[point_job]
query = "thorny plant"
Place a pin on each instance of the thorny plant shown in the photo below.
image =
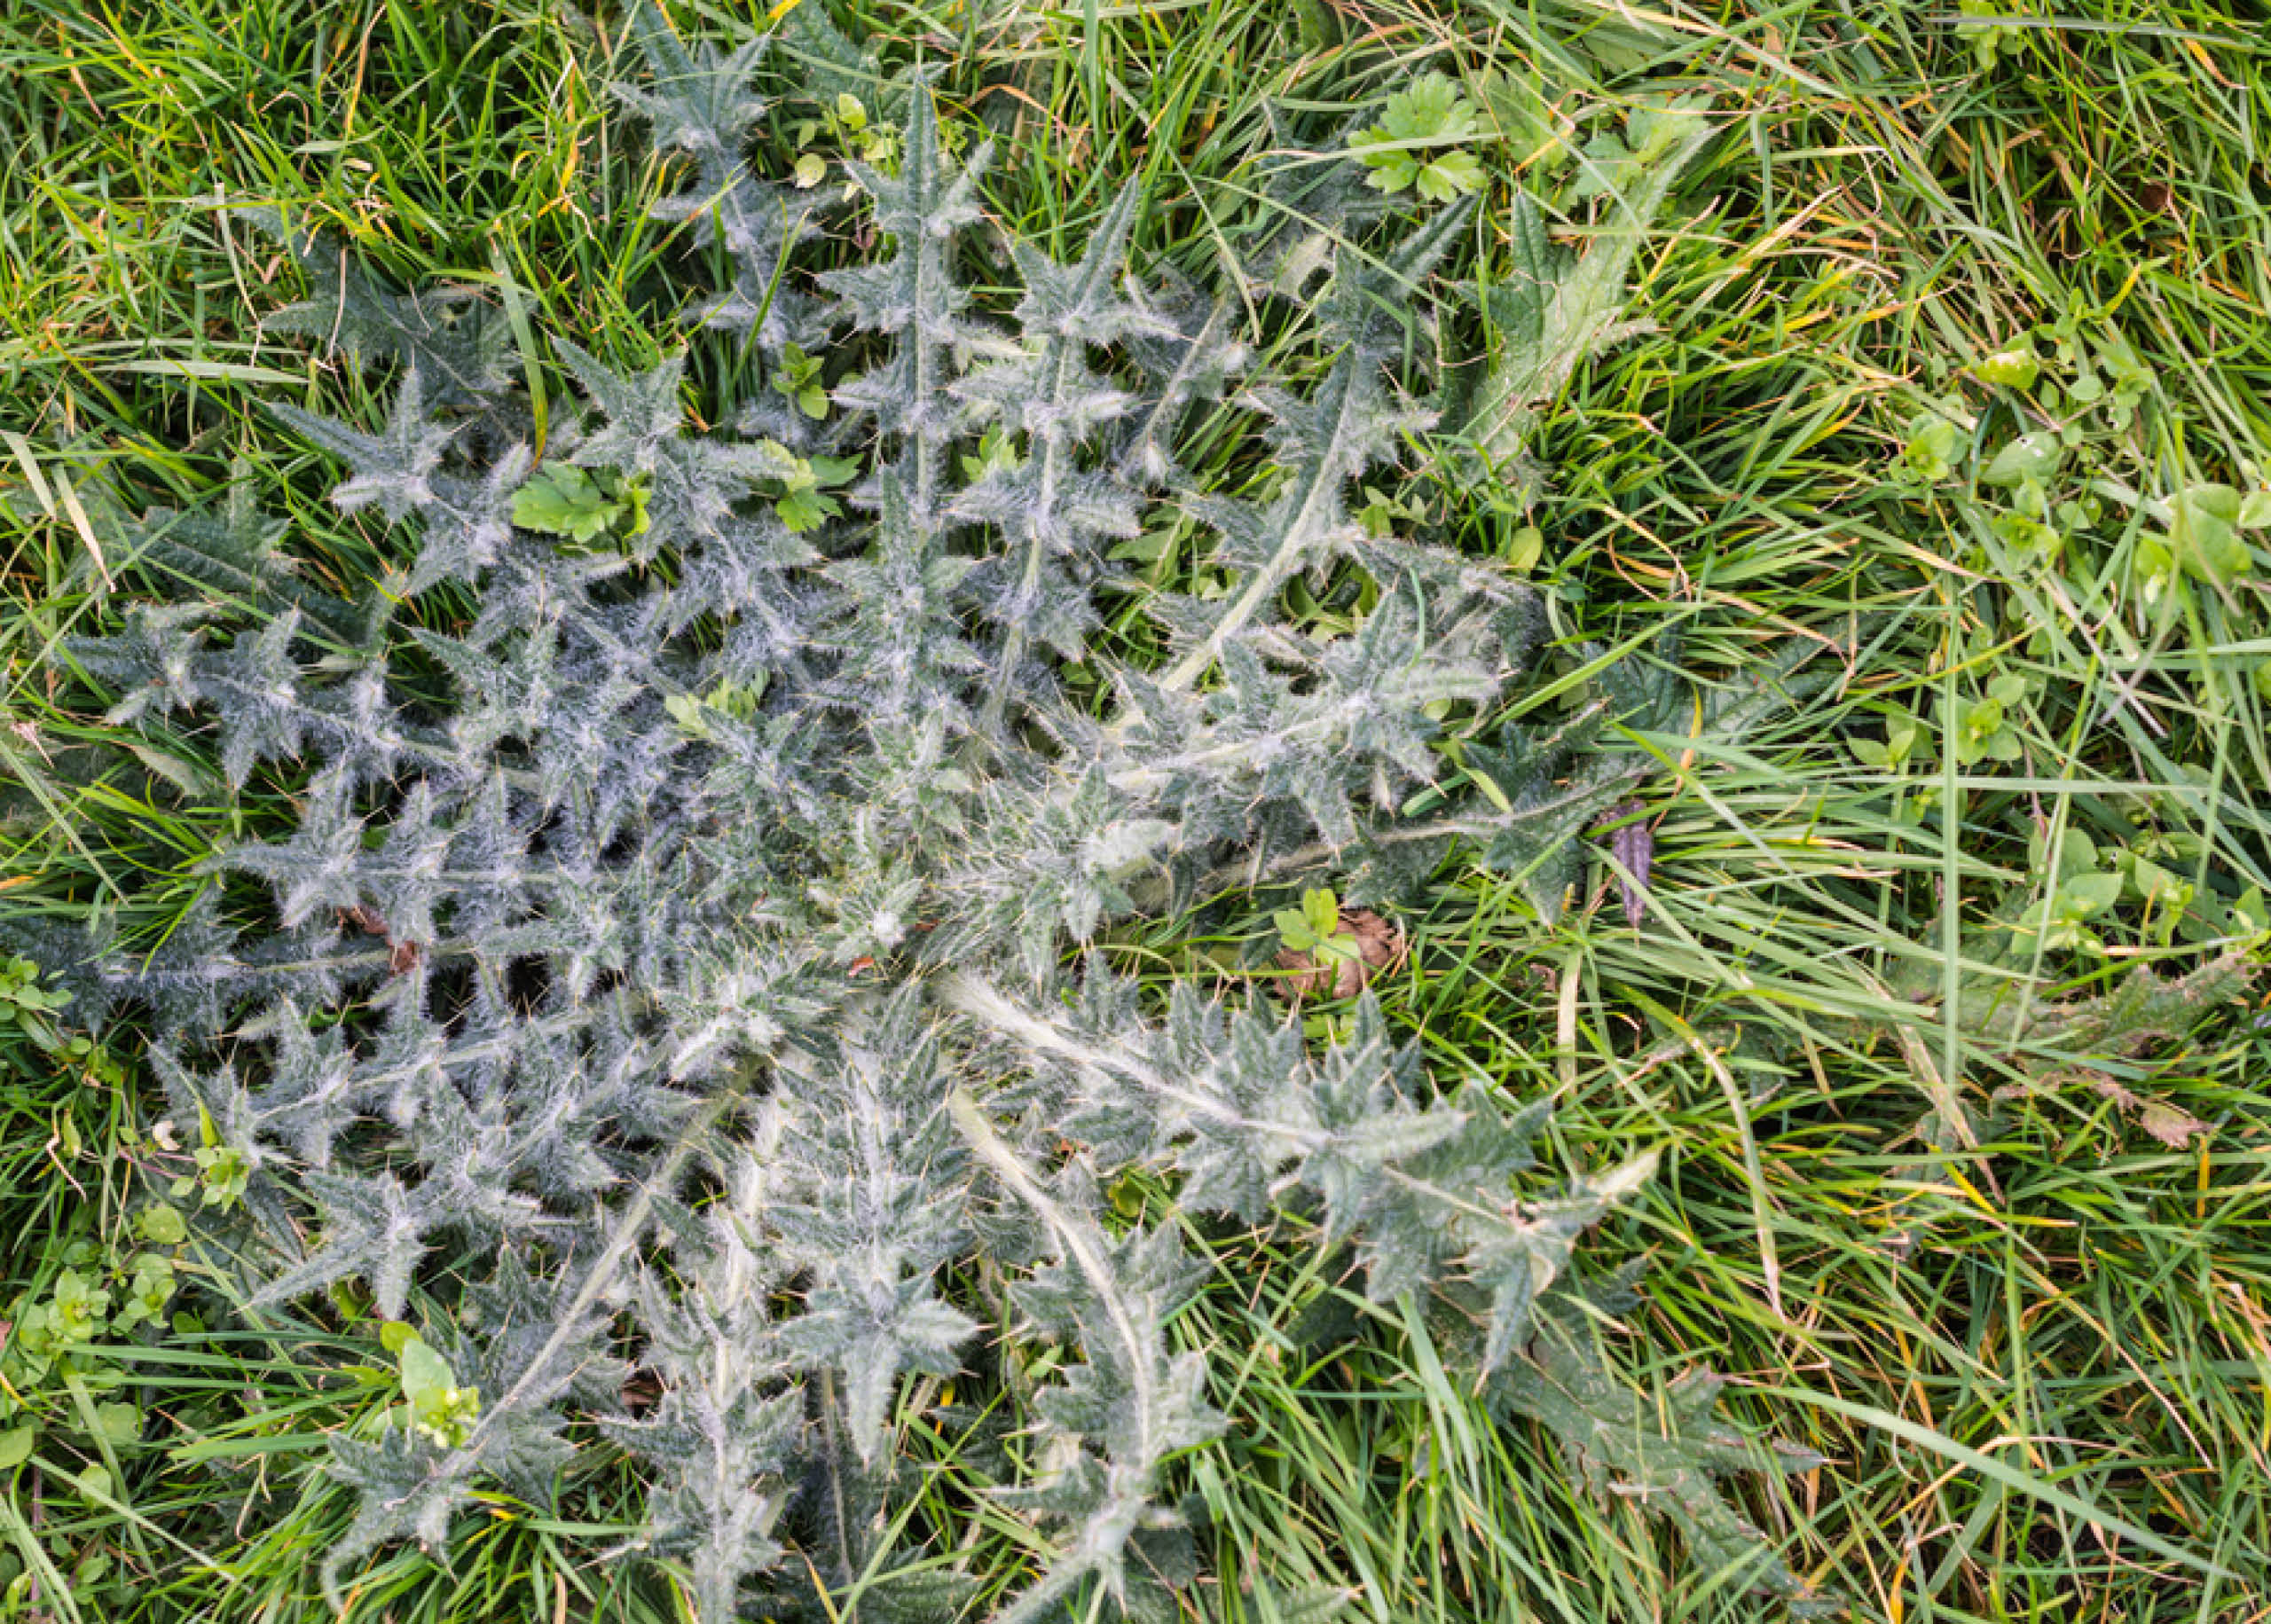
(678, 948)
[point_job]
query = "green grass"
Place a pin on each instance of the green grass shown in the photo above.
(2084, 1306)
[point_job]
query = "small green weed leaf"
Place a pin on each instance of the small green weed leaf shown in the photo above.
(80, 1306)
(1524, 548)
(2076, 854)
(1992, 38)
(1934, 446)
(1429, 112)
(1452, 174)
(16, 1445)
(121, 1424)
(2016, 368)
(2251, 912)
(1533, 131)
(2085, 896)
(803, 508)
(439, 1409)
(686, 710)
(1980, 732)
(2032, 457)
(149, 1288)
(799, 375)
(423, 1371)
(2203, 539)
(1316, 928)
(1300, 928)
(800, 503)
(562, 500)
(224, 1173)
(19, 989)
(691, 711)
(2155, 571)
(2164, 892)
(1382, 512)
(2032, 540)
(997, 454)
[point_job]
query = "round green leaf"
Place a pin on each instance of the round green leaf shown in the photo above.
(16, 1445)
(2029, 456)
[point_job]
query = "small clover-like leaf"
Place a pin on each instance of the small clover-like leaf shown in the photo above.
(1431, 108)
(162, 1225)
(1452, 174)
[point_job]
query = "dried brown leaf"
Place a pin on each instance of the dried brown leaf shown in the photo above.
(2173, 1127)
(1379, 946)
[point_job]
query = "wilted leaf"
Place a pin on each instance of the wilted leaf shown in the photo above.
(1633, 845)
(2173, 1127)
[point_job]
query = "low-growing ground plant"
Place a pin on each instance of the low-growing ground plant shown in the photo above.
(665, 1016)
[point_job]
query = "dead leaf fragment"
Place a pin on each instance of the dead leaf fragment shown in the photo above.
(1633, 845)
(1379, 946)
(402, 956)
(2173, 1127)
(2106, 1088)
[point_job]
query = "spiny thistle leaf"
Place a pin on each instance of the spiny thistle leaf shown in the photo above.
(700, 104)
(1558, 309)
(457, 343)
(1666, 1456)
(666, 958)
(234, 560)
